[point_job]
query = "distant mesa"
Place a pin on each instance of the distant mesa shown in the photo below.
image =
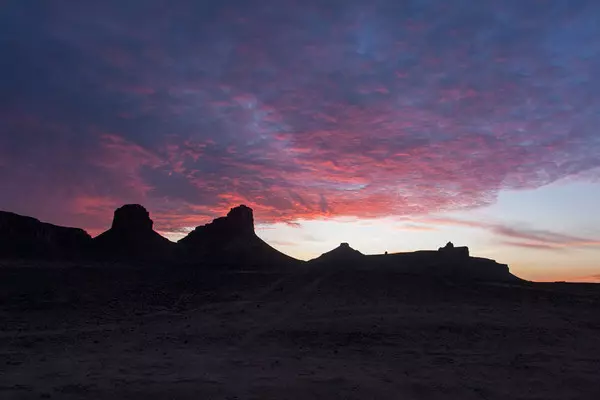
(28, 238)
(132, 237)
(448, 262)
(231, 240)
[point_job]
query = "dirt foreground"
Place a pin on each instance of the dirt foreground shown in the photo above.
(113, 334)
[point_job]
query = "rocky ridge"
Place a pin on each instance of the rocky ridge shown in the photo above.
(228, 241)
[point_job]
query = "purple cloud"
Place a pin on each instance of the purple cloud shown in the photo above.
(299, 110)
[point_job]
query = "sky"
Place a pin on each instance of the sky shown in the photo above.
(393, 125)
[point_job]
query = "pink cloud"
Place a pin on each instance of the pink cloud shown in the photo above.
(416, 228)
(300, 111)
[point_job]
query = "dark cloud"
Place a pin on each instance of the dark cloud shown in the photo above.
(297, 109)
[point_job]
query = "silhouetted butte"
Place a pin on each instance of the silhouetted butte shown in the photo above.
(231, 240)
(132, 237)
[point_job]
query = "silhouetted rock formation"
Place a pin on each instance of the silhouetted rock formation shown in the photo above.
(454, 252)
(342, 254)
(132, 218)
(238, 223)
(131, 237)
(448, 246)
(231, 240)
(227, 241)
(448, 262)
(486, 269)
(27, 237)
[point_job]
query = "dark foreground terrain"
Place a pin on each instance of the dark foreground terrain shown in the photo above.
(109, 332)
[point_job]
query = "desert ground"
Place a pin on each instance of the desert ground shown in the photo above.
(113, 332)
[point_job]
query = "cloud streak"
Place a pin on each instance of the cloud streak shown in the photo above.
(537, 239)
(298, 110)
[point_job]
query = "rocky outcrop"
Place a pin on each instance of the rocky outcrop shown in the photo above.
(456, 262)
(27, 237)
(231, 240)
(485, 269)
(342, 254)
(132, 237)
(133, 219)
(451, 252)
(238, 224)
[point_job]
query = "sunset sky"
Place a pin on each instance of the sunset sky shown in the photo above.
(394, 125)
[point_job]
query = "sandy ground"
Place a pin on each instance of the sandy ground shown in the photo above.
(115, 335)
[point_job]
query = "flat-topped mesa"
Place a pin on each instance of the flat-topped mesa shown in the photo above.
(131, 237)
(27, 237)
(238, 223)
(132, 218)
(242, 219)
(230, 240)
